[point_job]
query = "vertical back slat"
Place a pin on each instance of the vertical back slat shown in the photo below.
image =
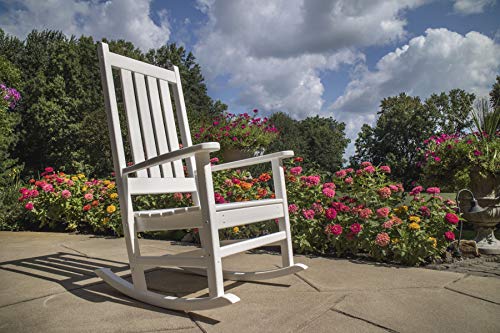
(182, 120)
(134, 130)
(161, 136)
(146, 124)
(173, 141)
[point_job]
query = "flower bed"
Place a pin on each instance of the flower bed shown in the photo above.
(358, 211)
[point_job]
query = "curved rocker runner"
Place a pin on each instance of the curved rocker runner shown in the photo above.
(159, 167)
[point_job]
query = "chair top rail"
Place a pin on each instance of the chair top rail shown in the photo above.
(136, 66)
(253, 160)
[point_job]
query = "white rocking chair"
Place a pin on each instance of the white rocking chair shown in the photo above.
(159, 169)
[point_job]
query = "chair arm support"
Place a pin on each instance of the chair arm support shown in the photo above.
(206, 147)
(253, 160)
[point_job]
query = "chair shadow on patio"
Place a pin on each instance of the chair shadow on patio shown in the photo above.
(75, 273)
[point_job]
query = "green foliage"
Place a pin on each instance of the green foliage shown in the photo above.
(320, 141)
(62, 116)
(404, 123)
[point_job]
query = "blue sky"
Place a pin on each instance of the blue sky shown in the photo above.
(329, 57)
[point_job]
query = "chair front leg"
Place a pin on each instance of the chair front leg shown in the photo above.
(209, 234)
(284, 222)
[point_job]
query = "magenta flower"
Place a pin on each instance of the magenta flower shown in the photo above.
(331, 213)
(355, 228)
(449, 235)
(29, 206)
(293, 208)
(329, 185)
(66, 194)
(433, 190)
(296, 170)
(425, 211)
(369, 169)
(365, 213)
(330, 193)
(49, 169)
(340, 174)
(451, 218)
(416, 190)
(308, 213)
(335, 229)
(348, 180)
(478, 153)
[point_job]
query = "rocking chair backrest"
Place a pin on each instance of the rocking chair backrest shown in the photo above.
(151, 123)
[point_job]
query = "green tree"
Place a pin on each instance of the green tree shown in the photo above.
(495, 94)
(403, 125)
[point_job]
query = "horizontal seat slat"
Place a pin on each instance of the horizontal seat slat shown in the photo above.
(240, 216)
(169, 220)
(142, 185)
(253, 243)
(245, 204)
(136, 66)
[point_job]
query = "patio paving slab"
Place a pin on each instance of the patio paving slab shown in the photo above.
(334, 322)
(423, 310)
(330, 274)
(480, 287)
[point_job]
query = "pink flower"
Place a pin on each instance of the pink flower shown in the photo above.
(393, 188)
(335, 229)
(385, 169)
(355, 228)
(66, 194)
(214, 160)
(387, 224)
(416, 190)
(178, 196)
(383, 212)
(310, 180)
(331, 213)
(437, 159)
(348, 180)
(449, 235)
(329, 185)
(219, 198)
(329, 192)
(48, 188)
(349, 170)
(369, 169)
(451, 218)
(49, 169)
(384, 192)
(88, 196)
(478, 153)
(340, 174)
(425, 211)
(365, 213)
(293, 208)
(340, 207)
(296, 170)
(29, 206)
(365, 164)
(382, 239)
(308, 213)
(318, 208)
(433, 190)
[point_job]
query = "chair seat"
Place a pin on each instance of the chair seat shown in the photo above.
(218, 207)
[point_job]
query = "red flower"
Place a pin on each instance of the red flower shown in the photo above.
(451, 218)
(331, 213)
(86, 208)
(335, 229)
(264, 177)
(449, 235)
(29, 206)
(355, 228)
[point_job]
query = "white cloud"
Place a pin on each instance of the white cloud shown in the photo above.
(275, 51)
(440, 60)
(113, 19)
(471, 6)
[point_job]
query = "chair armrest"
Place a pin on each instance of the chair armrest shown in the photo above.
(206, 147)
(253, 160)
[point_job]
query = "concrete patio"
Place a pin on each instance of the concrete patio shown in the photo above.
(48, 284)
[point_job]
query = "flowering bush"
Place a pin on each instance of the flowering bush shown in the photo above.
(241, 132)
(449, 159)
(73, 202)
(362, 211)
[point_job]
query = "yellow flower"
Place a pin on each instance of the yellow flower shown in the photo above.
(105, 220)
(113, 195)
(236, 230)
(111, 209)
(414, 226)
(395, 240)
(405, 208)
(434, 242)
(106, 182)
(84, 189)
(414, 219)
(111, 186)
(74, 178)
(80, 175)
